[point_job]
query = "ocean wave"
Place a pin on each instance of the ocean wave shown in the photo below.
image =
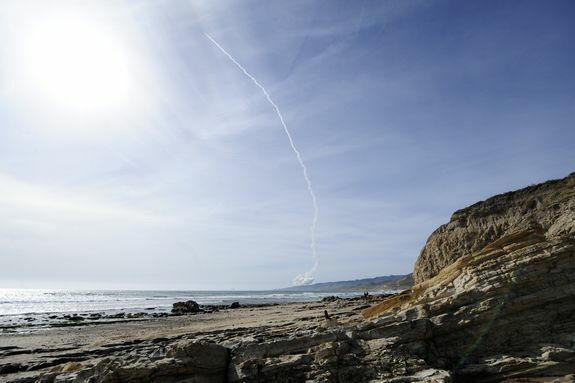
(27, 302)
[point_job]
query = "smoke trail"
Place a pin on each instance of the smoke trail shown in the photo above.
(307, 277)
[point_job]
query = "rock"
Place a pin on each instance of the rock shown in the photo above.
(331, 298)
(11, 368)
(74, 318)
(207, 355)
(495, 301)
(64, 378)
(71, 367)
(557, 354)
(185, 307)
(184, 361)
(137, 315)
(490, 311)
(433, 375)
(548, 207)
(235, 305)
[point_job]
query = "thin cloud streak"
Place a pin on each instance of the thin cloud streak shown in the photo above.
(307, 277)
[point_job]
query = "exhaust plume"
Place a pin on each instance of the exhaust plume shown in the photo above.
(307, 277)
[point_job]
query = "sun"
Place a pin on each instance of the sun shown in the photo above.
(74, 62)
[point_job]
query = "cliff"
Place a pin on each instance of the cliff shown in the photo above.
(496, 288)
(547, 207)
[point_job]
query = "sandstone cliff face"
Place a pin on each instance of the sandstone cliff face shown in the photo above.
(548, 207)
(516, 297)
(496, 288)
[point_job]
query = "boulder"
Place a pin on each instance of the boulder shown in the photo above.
(331, 298)
(187, 307)
(185, 361)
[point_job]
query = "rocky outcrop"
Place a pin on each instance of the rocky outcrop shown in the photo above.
(187, 307)
(335, 355)
(324, 351)
(183, 361)
(496, 288)
(548, 207)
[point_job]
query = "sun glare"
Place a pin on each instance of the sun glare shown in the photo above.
(72, 62)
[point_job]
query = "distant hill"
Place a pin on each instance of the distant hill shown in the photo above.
(388, 282)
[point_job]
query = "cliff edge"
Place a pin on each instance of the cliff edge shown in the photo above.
(548, 207)
(495, 289)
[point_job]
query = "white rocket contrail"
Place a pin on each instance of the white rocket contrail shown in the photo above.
(307, 277)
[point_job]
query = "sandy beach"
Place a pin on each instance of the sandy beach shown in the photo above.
(24, 356)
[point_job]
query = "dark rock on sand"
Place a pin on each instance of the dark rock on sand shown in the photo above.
(11, 368)
(235, 305)
(187, 307)
(74, 318)
(331, 298)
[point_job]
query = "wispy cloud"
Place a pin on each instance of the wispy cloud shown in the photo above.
(59, 205)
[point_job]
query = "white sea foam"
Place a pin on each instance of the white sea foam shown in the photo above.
(27, 301)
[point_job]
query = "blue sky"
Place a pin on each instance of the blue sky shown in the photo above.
(404, 111)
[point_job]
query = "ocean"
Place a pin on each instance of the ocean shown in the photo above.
(21, 302)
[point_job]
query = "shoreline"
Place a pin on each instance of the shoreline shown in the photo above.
(25, 356)
(88, 318)
(30, 322)
(83, 314)
(37, 301)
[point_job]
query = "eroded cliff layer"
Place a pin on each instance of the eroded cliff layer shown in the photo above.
(504, 311)
(496, 289)
(548, 207)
